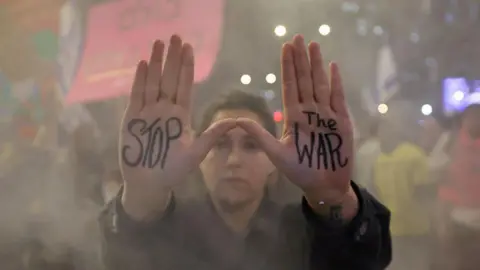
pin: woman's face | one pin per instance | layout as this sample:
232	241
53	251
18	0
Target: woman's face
236	170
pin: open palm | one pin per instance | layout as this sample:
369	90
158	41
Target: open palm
157	145
315	150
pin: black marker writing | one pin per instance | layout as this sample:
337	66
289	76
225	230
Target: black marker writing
152	141
315	119
325	147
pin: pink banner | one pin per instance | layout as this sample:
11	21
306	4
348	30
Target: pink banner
121	33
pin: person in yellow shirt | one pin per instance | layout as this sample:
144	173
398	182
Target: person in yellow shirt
400	176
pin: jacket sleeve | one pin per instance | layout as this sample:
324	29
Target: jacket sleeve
364	244
130	245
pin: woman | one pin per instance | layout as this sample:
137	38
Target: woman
336	226
401	180
459	227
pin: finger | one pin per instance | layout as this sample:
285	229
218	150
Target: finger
137	95
303	70
171	72
320	78
154	75
338	102
289	79
207	139
267	141
185	82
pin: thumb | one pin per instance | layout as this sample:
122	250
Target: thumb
267	141
207	139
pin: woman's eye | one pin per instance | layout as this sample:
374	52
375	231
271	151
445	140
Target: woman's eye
251	146
221	144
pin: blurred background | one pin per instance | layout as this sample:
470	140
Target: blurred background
66	68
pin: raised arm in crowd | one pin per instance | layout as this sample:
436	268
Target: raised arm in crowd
335	225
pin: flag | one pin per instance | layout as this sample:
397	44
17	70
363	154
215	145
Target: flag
387	77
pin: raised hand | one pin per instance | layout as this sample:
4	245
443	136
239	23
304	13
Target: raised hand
157	146
315	150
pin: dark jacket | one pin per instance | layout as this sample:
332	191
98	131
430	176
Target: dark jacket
193	237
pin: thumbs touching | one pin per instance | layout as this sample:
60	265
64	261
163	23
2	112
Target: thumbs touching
207	139
267	141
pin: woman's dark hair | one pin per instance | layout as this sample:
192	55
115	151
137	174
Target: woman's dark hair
239	100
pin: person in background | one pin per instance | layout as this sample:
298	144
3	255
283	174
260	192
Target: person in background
400	178
459	197
367	155
435	141
237	226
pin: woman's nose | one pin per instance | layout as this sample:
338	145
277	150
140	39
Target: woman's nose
234	158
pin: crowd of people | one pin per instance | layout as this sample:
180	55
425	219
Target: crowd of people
428	179
235	193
